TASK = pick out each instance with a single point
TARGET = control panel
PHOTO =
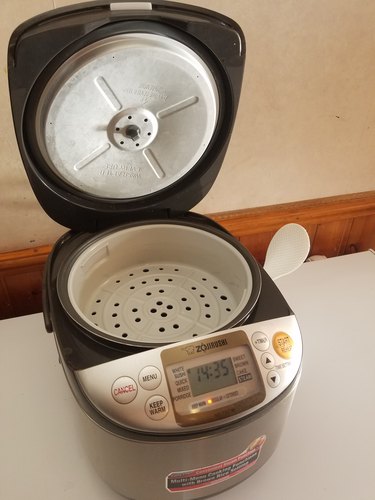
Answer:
(193, 385)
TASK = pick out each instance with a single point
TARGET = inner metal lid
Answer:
(127, 115)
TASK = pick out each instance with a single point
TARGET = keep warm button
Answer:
(156, 407)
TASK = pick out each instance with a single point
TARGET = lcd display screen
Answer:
(211, 376)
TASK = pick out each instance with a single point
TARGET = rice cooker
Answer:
(181, 352)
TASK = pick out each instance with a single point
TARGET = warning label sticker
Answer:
(213, 474)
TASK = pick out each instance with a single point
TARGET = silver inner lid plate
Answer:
(127, 116)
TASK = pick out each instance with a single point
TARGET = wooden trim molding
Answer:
(318, 211)
(336, 225)
(24, 258)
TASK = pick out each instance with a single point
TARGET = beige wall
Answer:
(306, 125)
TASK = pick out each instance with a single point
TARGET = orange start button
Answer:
(283, 344)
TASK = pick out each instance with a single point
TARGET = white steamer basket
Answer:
(157, 283)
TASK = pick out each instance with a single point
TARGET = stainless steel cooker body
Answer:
(185, 466)
(180, 350)
(192, 461)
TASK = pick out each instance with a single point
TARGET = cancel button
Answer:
(156, 407)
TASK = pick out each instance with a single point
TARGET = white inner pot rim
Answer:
(158, 283)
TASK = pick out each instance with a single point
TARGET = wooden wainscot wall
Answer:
(337, 225)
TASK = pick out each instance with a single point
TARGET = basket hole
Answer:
(204, 279)
(117, 325)
(144, 282)
(134, 310)
(215, 287)
(184, 299)
(208, 316)
(114, 315)
(195, 335)
(146, 270)
(148, 294)
(161, 291)
(161, 329)
(207, 305)
(176, 327)
(137, 320)
(188, 308)
(228, 309)
(98, 301)
(118, 281)
(159, 303)
(164, 315)
(223, 297)
(202, 296)
(156, 279)
(170, 279)
(193, 287)
(153, 311)
(169, 306)
(124, 335)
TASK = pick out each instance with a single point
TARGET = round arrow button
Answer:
(273, 379)
(267, 360)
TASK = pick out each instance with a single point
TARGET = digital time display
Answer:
(211, 376)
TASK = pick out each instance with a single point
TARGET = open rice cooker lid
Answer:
(123, 109)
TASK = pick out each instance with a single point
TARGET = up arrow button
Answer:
(267, 360)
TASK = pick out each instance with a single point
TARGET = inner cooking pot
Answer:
(156, 283)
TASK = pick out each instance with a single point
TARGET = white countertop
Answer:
(325, 453)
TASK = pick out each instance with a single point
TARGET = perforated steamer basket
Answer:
(156, 283)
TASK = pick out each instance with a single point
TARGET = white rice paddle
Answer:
(287, 250)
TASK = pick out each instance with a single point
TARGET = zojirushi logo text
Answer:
(203, 347)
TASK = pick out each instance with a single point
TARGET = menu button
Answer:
(149, 378)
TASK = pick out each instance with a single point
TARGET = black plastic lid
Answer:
(121, 111)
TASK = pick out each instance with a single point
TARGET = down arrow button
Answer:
(273, 379)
